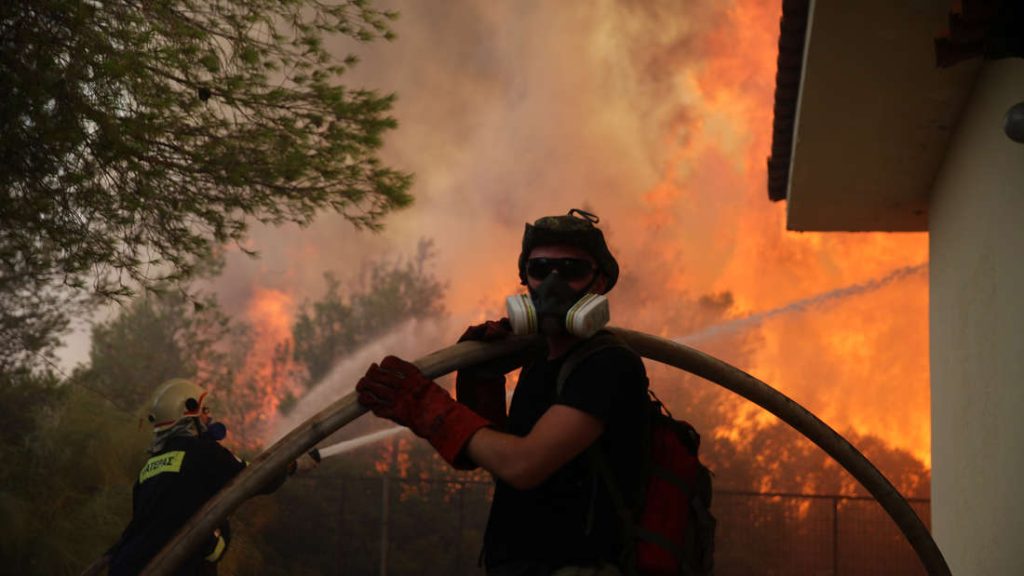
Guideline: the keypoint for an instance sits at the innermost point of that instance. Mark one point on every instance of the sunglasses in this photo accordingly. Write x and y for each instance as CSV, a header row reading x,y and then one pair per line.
x,y
568,268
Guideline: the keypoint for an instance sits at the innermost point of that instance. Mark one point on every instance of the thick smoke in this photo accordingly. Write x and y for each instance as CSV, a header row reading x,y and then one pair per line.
x,y
507,112
657,117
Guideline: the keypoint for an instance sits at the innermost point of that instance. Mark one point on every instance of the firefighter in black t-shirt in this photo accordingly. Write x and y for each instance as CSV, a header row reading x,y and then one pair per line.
x,y
187,466
551,514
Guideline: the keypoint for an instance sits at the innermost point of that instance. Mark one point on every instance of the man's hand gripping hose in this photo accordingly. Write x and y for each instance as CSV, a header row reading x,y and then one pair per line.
x,y
399,391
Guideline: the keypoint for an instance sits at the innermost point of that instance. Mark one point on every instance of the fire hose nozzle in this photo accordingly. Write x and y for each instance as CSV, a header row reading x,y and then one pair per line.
x,y
298,466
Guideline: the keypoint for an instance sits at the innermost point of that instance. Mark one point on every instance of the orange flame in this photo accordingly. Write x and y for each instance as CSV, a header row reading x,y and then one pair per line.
x,y
268,374
860,364
697,238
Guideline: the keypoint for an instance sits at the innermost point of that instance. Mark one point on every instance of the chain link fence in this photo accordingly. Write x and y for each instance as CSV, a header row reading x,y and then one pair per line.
x,y
764,534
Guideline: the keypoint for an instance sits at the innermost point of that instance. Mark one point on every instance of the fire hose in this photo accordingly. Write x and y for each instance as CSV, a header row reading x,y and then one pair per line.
x,y
343,411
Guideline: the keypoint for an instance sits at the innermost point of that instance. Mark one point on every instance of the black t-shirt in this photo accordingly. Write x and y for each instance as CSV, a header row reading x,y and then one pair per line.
x,y
548,525
170,488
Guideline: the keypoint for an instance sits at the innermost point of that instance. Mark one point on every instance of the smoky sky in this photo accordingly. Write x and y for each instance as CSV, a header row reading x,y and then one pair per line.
x,y
655,115
507,111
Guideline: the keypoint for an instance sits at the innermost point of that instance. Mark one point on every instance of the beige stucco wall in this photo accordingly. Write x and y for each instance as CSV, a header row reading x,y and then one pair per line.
x,y
976,225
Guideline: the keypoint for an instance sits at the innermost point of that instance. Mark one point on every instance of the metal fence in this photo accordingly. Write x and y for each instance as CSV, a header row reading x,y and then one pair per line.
x,y
769,534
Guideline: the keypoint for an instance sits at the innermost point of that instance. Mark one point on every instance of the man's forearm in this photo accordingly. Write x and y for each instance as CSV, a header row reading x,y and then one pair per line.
x,y
506,456
525,462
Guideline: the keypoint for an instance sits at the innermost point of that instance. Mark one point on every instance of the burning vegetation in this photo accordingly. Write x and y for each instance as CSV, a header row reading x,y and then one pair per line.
x,y
655,116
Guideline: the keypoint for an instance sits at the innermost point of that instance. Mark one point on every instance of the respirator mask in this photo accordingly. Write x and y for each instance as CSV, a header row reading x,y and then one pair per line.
x,y
554,308
214,431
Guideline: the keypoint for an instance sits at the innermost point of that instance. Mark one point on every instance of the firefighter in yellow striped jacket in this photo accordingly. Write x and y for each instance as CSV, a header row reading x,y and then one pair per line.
x,y
187,466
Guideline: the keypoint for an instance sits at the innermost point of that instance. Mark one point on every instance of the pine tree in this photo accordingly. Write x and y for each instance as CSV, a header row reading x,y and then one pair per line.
x,y
139,134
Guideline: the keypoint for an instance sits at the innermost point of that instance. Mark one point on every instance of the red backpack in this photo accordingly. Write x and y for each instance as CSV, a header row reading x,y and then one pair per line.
x,y
671,532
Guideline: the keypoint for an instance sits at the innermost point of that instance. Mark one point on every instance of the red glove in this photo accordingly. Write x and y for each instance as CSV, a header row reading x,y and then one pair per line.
x,y
482,387
398,391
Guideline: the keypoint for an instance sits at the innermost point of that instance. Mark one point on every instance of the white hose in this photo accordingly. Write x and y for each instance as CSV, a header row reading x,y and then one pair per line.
x,y
249,482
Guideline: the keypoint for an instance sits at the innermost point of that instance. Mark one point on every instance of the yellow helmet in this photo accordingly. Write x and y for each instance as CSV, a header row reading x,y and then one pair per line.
x,y
173,400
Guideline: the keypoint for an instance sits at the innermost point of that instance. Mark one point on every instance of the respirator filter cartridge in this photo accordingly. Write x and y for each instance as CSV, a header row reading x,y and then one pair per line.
x,y
587,316
521,314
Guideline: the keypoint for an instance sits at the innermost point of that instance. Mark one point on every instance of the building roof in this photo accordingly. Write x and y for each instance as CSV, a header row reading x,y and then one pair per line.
x,y
792,30
857,144
867,94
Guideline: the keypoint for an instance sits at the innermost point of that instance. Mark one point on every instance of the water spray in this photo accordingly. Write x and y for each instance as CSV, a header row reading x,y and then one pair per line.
x,y
406,340
349,445
737,324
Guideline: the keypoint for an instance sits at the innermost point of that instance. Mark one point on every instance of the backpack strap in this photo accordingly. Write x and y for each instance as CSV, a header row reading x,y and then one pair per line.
x,y
598,462
599,466
584,350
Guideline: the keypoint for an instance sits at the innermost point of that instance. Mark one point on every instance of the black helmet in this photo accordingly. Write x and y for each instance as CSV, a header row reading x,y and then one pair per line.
x,y
574,229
